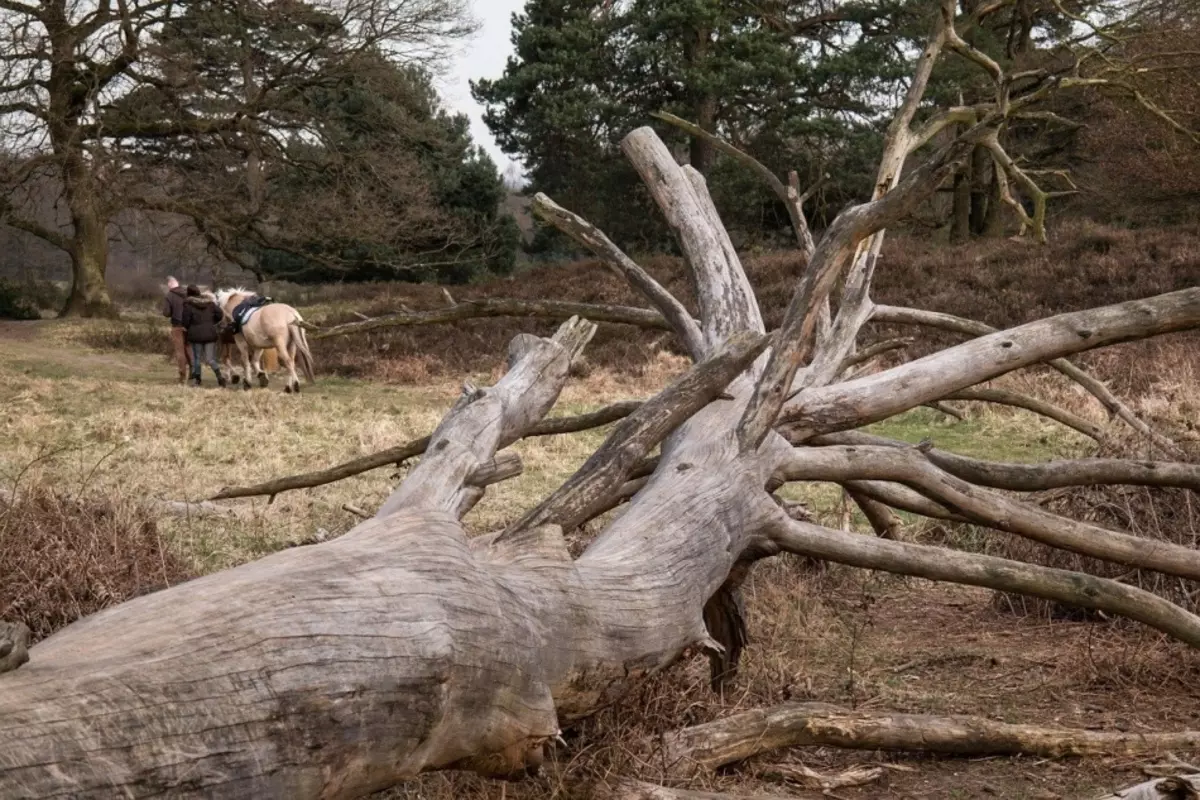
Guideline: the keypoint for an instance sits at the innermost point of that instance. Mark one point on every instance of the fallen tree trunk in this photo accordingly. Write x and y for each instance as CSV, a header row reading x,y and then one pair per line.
x,y
705,748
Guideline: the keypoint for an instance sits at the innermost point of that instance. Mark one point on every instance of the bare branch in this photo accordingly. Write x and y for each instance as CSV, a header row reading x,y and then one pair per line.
x,y
796,339
941,564
911,467
935,319
485,421
1041,407
594,239
401,453
1039,477
788,194
884,394
725,298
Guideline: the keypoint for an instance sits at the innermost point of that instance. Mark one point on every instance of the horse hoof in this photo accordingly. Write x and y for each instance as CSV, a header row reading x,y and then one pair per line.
x,y
262,380
287,390
296,387
246,386
235,380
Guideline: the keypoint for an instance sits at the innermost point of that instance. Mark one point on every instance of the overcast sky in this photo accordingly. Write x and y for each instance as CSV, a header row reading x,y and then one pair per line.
x,y
482,57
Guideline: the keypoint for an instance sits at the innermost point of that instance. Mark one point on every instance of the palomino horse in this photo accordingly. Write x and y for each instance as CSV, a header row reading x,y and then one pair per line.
x,y
276,325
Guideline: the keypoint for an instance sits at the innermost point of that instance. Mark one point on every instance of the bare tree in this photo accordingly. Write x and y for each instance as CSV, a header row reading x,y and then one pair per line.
x,y
404,646
64,66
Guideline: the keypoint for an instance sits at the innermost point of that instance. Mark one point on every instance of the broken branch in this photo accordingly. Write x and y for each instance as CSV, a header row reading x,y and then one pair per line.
x,y
706,747
401,453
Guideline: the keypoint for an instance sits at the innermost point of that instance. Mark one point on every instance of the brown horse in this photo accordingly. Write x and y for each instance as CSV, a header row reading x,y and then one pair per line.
x,y
276,325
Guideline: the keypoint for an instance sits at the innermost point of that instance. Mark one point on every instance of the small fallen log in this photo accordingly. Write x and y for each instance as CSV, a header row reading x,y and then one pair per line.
x,y
705,748
860,775
629,789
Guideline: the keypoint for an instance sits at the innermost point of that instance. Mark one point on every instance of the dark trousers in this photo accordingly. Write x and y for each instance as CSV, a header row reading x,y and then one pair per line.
x,y
204,353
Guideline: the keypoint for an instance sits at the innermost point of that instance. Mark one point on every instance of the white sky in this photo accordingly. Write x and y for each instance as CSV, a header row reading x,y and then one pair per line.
x,y
483,57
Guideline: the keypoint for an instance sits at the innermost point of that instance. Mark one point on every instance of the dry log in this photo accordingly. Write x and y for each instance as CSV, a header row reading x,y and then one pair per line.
x,y
1116,407
630,789
810,778
884,394
401,453
705,748
1008,397
503,307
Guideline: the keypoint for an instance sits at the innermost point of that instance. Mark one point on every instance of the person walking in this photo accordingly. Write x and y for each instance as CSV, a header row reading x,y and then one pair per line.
x,y
200,318
173,310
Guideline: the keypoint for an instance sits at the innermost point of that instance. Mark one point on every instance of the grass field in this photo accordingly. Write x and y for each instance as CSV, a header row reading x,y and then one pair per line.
x,y
107,421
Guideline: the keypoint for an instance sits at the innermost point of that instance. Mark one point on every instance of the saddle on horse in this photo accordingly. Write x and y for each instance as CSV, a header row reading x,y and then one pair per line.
x,y
244,310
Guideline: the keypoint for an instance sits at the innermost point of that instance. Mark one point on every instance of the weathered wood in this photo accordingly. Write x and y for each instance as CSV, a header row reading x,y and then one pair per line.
x,y
884,394
1040,476
911,467
401,453
790,195
629,789
503,307
912,316
634,437
990,572
725,298
602,247
795,339
704,748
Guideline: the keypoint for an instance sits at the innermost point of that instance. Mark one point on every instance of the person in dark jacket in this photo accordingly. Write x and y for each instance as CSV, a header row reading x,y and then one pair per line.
x,y
173,310
200,317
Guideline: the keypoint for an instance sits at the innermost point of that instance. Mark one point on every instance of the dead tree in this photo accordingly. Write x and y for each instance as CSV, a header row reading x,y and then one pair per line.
x,y
345,667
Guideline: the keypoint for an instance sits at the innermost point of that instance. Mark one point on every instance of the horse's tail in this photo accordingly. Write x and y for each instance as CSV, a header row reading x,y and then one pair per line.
x,y
304,357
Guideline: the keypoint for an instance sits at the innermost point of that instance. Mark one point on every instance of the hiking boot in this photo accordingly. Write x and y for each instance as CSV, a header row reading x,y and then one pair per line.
x,y
221,382
195,381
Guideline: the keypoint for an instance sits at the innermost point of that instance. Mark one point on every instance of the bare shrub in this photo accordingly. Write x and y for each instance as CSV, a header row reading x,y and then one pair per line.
x,y
62,558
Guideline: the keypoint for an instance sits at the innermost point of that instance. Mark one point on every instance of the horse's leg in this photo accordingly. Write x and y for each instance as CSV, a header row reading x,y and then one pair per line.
x,y
287,354
244,349
263,380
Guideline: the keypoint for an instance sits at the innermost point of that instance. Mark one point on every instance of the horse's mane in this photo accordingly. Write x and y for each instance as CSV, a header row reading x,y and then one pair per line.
x,y
224,294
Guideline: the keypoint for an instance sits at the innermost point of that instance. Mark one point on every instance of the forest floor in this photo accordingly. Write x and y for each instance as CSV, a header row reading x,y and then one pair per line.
x,y
92,413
